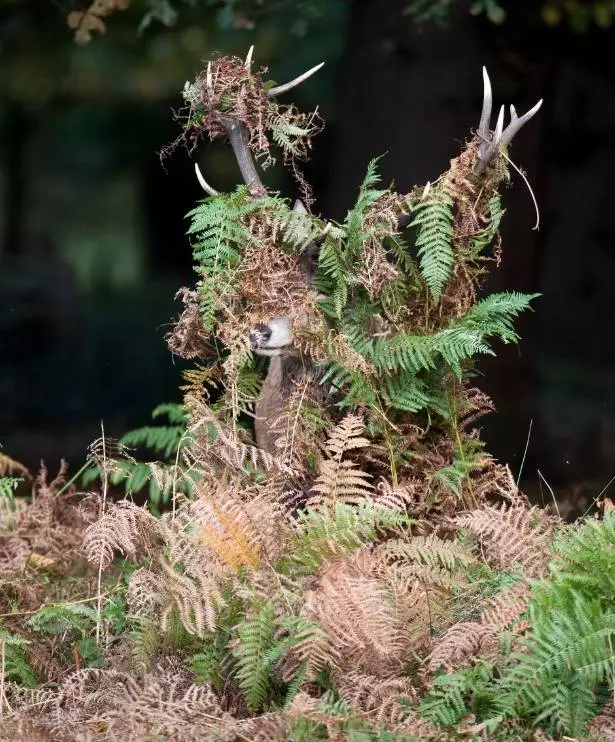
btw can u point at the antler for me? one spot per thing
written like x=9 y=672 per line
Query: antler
x=279 y=89
x=491 y=144
x=236 y=133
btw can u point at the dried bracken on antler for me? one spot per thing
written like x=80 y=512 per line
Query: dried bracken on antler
x=230 y=99
x=189 y=339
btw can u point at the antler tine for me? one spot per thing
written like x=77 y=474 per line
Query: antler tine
x=279 y=89
x=203 y=183
x=499 y=128
x=516 y=122
x=488 y=148
x=299 y=208
x=485 y=116
x=248 y=62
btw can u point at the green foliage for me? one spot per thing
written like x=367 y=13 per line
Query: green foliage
x=438 y=11
x=75 y=623
x=8 y=485
x=570 y=653
x=455 y=695
x=164 y=439
x=16 y=666
x=567 y=663
x=255 y=638
x=219 y=225
x=405 y=369
x=434 y=224
x=339 y=529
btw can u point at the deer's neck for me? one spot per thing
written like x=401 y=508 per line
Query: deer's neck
x=270 y=404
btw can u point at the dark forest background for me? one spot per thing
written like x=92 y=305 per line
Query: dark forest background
x=92 y=227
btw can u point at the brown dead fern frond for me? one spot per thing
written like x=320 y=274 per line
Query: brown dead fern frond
x=124 y=527
x=45 y=533
x=298 y=431
x=166 y=704
x=463 y=642
x=184 y=581
x=386 y=700
x=226 y=447
x=514 y=535
x=506 y=611
x=359 y=614
x=195 y=596
x=466 y=641
x=244 y=529
x=189 y=338
x=602 y=727
x=11 y=468
x=430 y=551
x=492 y=481
x=341 y=479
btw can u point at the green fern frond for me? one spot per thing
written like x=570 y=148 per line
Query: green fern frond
x=16 y=667
x=452 y=477
x=255 y=637
x=483 y=239
x=406 y=392
x=338 y=529
x=570 y=652
x=455 y=695
x=8 y=485
x=434 y=224
x=332 y=262
x=494 y=315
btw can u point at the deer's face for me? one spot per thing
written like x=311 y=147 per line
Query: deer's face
x=272 y=338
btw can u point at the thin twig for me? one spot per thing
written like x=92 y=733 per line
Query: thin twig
x=529 y=187
x=527 y=444
x=105 y=483
x=3 y=699
x=551 y=491
x=57 y=605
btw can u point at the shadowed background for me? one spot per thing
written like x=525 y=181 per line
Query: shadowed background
x=92 y=245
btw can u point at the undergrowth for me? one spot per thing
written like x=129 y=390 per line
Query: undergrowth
x=376 y=575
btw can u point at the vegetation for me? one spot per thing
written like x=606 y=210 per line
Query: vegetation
x=375 y=576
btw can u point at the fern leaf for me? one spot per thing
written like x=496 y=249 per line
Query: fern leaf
x=434 y=223
x=255 y=636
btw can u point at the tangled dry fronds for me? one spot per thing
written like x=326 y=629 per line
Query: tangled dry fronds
x=512 y=536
